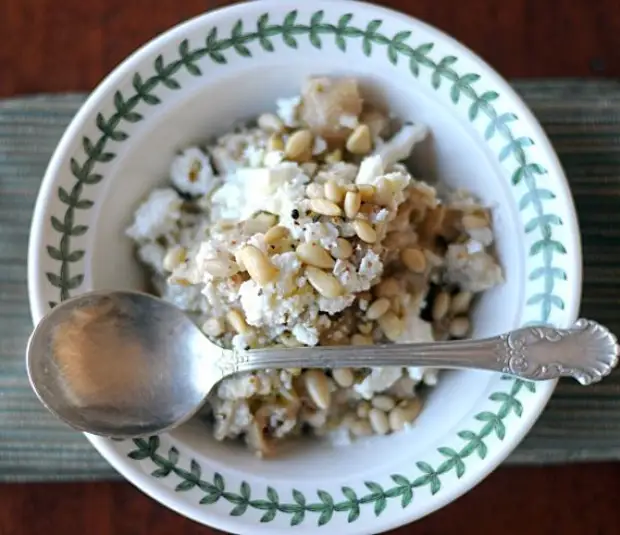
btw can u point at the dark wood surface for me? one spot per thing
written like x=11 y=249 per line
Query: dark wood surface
x=69 y=45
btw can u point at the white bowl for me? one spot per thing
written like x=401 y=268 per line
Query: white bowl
x=230 y=64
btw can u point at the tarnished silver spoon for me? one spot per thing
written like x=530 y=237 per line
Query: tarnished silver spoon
x=126 y=364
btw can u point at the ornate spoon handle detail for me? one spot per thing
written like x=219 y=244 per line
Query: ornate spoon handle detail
x=586 y=351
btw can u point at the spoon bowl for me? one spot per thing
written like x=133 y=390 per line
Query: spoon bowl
x=120 y=364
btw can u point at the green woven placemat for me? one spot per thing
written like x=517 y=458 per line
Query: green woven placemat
x=583 y=121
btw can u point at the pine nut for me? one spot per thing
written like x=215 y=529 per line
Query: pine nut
x=213 y=327
x=383 y=402
x=361 y=340
x=396 y=303
x=362 y=409
x=342 y=250
x=441 y=306
x=334 y=156
x=459 y=327
x=325 y=207
x=364 y=231
x=414 y=259
x=361 y=428
x=367 y=191
x=175 y=256
x=344 y=377
x=220 y=268
x=333 y=192
x=391 y=325
x=404 y=414
x=258 y=265
x=365 y=328
x=317 y=386
x=460 y=302
x=275 y=235
x=378 y=308
x=379 y=421
x=324 y=283
x=360 y=140
x=270 y=123
x=298 y=147
x=314 y=255
x=352 y=203
x=387 y=288
x=471 y=222
x=237 y=321
x=275 y=143
x=314 y=191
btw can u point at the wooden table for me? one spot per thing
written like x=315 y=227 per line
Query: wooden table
x=69 y=45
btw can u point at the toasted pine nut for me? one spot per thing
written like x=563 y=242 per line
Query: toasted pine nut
x=270 y=123
x=324 y=283
x=257 y=264
x=352 y=203
x=379 y=421
x=471 y=222
x=360 y=140
x=414 y=259
x=344 y=377
x=383 y=402
x=361 y=428
x=175 y=256
x=391 y=325
x=367 y=191
x=459 y=327
x=365 y=328
x=213 y=327
x=237 y=321
x=362 y=409
x=460 y=302
x=342 y=250
x=334 y=156
x=325 y=207
x=275 y=234
x=404 y=414
x=333 y=192
x=387 y=288
x=275 y=142
x=378 y=308
x=364 y=231
x=314 y=191
x=441 y=306
x=220 y=268
x=361 y=340
x=317 y=386
x=314 y=255
x=299 y=146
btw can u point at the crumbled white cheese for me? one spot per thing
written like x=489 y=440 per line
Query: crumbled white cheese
x=400 y=146
x=157 y=216
x=473 y=272
x=380 y=379
x=191 y=172
x=288 y=110
x=306 y=335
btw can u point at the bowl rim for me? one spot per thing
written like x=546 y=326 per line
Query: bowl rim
x=107 y=86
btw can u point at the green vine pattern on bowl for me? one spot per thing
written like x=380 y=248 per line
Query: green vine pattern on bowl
x=397 y=49
x=351 y=502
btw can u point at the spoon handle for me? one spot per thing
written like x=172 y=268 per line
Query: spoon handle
x=586 y=351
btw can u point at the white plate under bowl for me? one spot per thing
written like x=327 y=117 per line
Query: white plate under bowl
x=194 y=81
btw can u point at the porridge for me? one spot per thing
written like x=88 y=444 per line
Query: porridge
x=306 y=228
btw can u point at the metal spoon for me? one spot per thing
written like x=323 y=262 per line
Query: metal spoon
x=126 y=364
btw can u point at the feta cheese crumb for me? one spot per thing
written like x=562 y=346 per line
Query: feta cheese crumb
x=157 y=216
x=191 y=172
